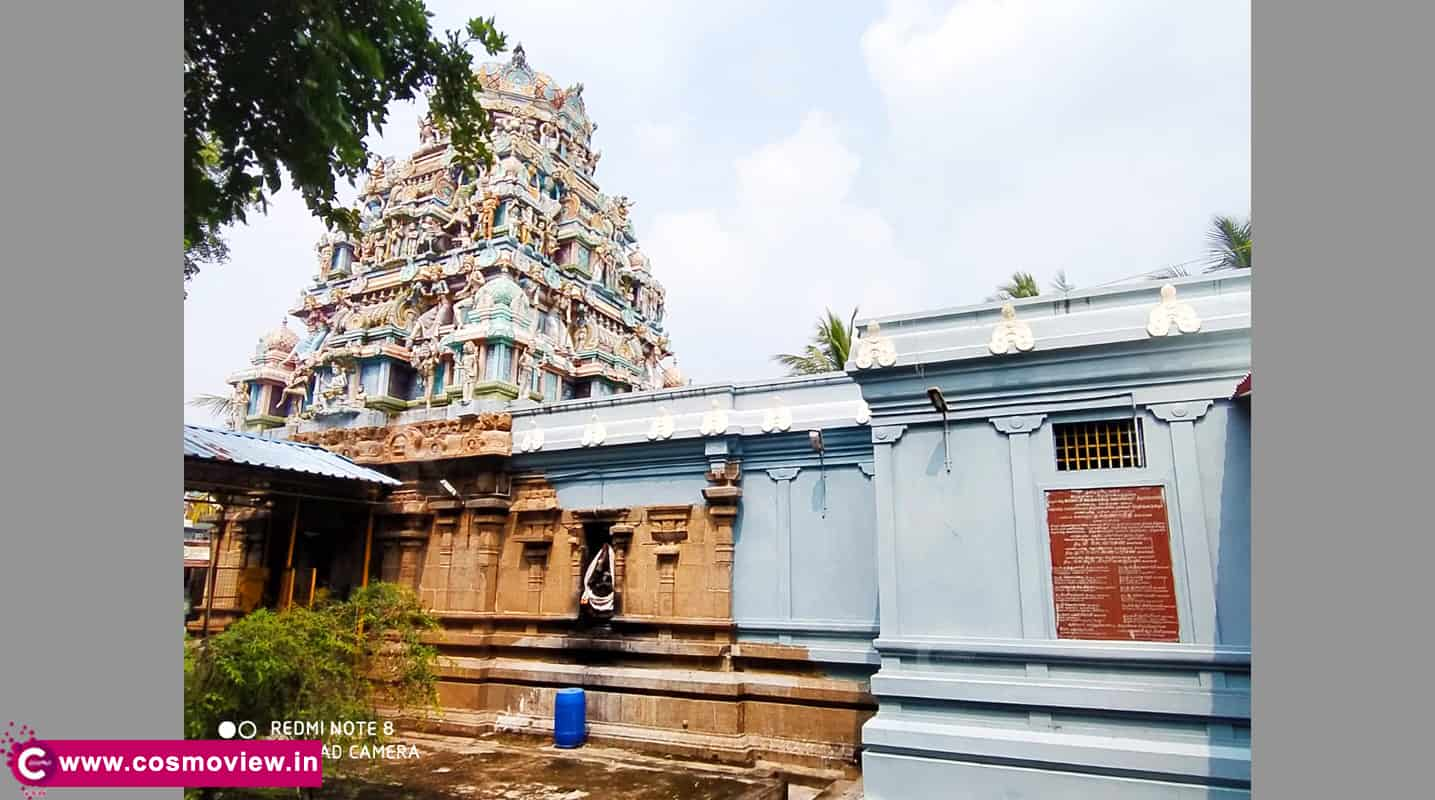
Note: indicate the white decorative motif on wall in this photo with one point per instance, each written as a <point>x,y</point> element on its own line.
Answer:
<point>875,350</point>
<point>864,414</point>
<point>714,421</point>
<point>662,425</point>
<point>1011,334</point>
<point>1172,316</point>
<point>531,441</point>
<point>776,418</point>
<point>594,433</point>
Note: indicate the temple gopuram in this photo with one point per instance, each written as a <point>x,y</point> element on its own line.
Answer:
<point>1004,552</point>
<point>523,281</point>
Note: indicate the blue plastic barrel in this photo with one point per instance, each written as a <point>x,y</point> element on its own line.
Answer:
<point>569,718</point>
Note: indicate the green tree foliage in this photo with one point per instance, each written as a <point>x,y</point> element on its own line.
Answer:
<point>337,661</point>
<point>224,406</point>
<point>296,85</point>
<point>827,352</point>
<point>1230,244</point>
<point>1022,284</point>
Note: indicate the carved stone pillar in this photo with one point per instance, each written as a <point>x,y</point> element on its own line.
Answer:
<point>439,568</point>
<point>401,544</point>
<point>489,515</point>
<point>575,559</point>
<point>536,508</point>
<point>622,537</point>
<point>723,498</point>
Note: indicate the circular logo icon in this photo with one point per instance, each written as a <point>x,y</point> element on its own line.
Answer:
<point>34,763</point>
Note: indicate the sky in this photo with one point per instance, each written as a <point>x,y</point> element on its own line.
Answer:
<point>785,158</point>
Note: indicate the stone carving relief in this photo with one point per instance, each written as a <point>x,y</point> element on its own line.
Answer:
<point>469,435</point>
<point>662,425</point>
<point>874,349</point>
<point>714,421</point>
<point>594,432</point>
<point>1011,334</point>
<point>1171,316</point>
<point>776,418</point>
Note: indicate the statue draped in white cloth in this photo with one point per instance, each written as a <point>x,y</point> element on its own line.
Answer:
<point>598,595</point>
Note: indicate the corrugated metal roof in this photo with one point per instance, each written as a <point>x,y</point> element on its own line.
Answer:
<point>244,448</point>
<point>1243,389</point>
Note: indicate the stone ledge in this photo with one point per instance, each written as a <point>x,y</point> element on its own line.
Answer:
<point>1182,760</point>
<point>1111,695</point>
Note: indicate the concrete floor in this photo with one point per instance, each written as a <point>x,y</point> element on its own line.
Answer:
<point>507,768</point>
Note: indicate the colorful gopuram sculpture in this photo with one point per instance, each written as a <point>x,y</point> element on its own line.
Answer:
<point>522,281</point>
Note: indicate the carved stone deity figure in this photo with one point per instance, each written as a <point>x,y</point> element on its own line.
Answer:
<point>368,246</point>
<point>598,597</point>
<point>468,292</point>
<point>428,131</point>
<point>427,324</point>
<point>432,232</point>
<point>550,238</point>
<point>392,237</point>
<point>298,386</point>
<point>343,310</point>
<point>486,215</point>
<point>336,389</point>
<point>572,204</point>
<point>525,370</point>
<point>523,223</point>
<point>376,177</point>
<point>468,370</point>
<point>239,406</point>
<point>424,360</point>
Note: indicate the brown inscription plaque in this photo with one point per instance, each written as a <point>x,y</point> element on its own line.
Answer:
<point>1111,564</point>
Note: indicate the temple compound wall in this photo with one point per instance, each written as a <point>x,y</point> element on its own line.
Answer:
<point>1007,551</point>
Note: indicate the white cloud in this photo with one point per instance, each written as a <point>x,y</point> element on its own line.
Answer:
<point>748,280</point>
<point>964,140</point>
<point>1095,137</point>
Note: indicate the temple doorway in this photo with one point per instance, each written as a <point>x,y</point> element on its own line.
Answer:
<point>598,595</point>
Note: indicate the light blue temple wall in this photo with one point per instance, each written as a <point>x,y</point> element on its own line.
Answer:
<point>803,576</point>
<point>1223,441</point>
<point>967,683</point>
<point>956,554</point>
<point>977,697</point>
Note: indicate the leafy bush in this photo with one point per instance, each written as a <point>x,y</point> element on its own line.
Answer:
<point>337,661</point>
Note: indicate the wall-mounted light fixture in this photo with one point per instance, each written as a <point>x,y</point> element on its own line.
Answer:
<point>814,438</point>
<point>448,487</point>
<point>939,402</point>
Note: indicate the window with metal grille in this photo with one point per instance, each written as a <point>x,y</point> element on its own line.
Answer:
<point>1100,444</point>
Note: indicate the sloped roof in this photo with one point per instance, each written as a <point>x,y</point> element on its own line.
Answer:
<point>1243,389</point>
<point>210,444</point>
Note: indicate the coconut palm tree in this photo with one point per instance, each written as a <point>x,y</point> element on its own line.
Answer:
<point>1230,241</point>
<point>1060,284</point>
<point>226,407</point>
<point>1022,284</point>
<point>827,352</point>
